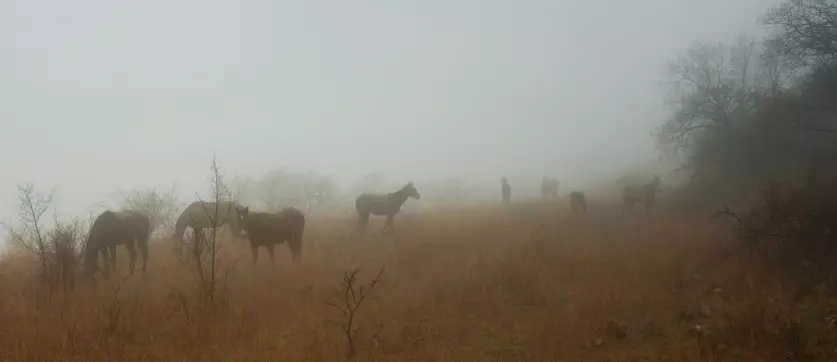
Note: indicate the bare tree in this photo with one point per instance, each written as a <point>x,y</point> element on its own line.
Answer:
<point>161,206</point>
<point>807,30</point>
<point>68,241</point>
<point>31,235</point>
<point>351,299</point>
<point>313,192</point>
<point>712,87</point>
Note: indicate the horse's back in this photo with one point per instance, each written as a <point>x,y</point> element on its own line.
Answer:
<point>122,225</point>
<point>201,213</point>
<point>288,215</point>
<point>287,223</point>
<point>365,200</point>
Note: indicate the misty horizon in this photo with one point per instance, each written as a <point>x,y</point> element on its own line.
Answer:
<point>98,97</point>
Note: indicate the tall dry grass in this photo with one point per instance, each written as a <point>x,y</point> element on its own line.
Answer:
<point>529,283</point>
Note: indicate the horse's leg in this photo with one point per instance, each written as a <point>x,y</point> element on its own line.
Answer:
<point>295,244</point>
<point>362,220</point>
<point>388,225</point>
<point>105,261</point>
<point>254,249</point>
<point>132,256</point>
<point>270,252</point>
<point>112,249</point>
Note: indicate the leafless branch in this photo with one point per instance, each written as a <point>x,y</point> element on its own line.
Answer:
<point>353,297</point>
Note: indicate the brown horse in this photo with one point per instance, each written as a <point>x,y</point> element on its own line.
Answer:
<point>383,204</point>
<point>644,194</point>
<point>268,229</point>
<point>114,228</point>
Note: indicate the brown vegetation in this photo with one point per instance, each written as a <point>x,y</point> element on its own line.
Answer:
<point>524,283</point>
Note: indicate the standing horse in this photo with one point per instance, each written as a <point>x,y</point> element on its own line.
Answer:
<point>114,228</point>
<point>202,215</point>
<point>642,194</point>
<point>549,187</point>
<point>578,202</point>
<point>383,204</point>
<point>268,229</point>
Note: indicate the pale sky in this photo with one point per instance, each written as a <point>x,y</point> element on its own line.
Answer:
<point>99,95</point>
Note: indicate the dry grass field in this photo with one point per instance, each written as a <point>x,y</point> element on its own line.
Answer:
<point>529,283</point>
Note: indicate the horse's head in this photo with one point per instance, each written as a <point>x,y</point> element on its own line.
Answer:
<point>411,191</point>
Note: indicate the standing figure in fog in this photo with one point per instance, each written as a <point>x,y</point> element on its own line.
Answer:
<point>506,191</point>
<point>383,204</point>
<point>578,202</point>
<point>549,187</point>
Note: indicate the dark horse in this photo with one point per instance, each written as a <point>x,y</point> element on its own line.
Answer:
<point>643,194</point>
<point>383,204</point>
<point>114,228</point>
<point>549,187</point>
<point>270,228</point>
<point>578,202</point>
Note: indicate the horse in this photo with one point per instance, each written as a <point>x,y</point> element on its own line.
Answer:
<point>549,187</point>
<point>268,229</point>
<point>578,202</point>
<point>506,191</point>
<point>383,204</point>
<point>642,194</point>
<point>200,215</point>
<point>114,228</point>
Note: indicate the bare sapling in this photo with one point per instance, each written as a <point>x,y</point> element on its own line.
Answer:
<point>31,234</point>
<point>353,295</point>
<point>203,252</point>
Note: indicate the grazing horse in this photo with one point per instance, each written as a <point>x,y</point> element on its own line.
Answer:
<point>578,202</point>
<point>549,187</point>
<point>642,194</point>
<point>383,204</point>
<point>114,228</point>
<point>200,215</point>
<point>268,229</point>
<point>506,191</point>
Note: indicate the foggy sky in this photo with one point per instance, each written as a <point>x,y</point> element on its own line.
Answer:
<point>100,95</point>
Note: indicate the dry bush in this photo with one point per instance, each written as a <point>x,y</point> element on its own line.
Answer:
<point>56,248</point>
<point>790,227</point>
